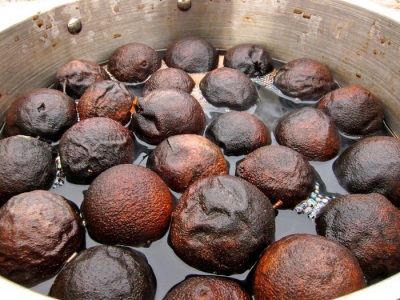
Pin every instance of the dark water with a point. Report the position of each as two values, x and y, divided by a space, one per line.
168 268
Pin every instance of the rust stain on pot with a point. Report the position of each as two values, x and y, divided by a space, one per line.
39 23
306 16
117 35
116 8
16 38
49 25
141 6
248 19
358 75
35 17
297 11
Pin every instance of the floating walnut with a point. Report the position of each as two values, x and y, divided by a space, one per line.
133 62
127 205
305 79
252 60
106 272
39 231
354 110
192 55
41 112
298 265
76 76
221 225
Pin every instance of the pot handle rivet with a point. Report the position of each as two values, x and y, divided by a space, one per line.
74 26
184 5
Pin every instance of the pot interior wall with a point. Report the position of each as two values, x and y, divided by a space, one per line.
358 45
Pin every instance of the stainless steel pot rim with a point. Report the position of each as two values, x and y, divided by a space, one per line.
14 12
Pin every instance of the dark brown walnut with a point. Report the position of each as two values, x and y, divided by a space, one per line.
238 133
305 79
372 165
368 225
26 164
93 146
169 78
108 99
76 76
39 231
354 110
310 132
280 173
305 266
221 225
133 62
226 87
106 272
192 55
182 159
127 205
207 288
167 112
41 112
252 60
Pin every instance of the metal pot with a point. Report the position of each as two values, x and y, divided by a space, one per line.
358 40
